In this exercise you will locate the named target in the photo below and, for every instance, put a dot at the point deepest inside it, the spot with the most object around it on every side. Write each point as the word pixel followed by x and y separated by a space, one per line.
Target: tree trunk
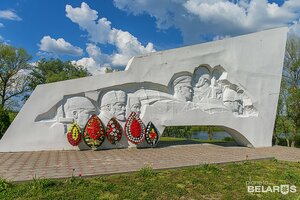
pixel 293 143
pixel 210 133
pixel 287 142
pixel 3 94
pixel 293 138
pixel 277 141
pixel 2 102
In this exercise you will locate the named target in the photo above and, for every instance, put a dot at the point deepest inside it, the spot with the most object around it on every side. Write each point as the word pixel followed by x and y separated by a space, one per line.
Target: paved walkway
pixel 61 164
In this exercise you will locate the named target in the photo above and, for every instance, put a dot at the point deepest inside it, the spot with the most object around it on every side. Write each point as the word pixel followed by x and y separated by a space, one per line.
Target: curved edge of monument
pixel 233 83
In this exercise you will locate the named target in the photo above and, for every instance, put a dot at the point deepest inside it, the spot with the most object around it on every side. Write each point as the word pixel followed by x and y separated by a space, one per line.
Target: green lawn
pixel 227 181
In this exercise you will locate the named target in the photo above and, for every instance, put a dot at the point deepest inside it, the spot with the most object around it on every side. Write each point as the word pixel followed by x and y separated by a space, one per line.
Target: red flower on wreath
pixel 93 130
pixel 135 128
pixel 94 133
pixel 152 134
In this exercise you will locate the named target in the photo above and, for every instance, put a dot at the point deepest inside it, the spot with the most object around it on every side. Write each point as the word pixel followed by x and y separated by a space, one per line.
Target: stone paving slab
pixel 24 166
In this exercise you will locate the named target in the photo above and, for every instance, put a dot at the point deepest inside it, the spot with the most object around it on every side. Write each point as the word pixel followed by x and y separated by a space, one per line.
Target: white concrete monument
pixel 232 83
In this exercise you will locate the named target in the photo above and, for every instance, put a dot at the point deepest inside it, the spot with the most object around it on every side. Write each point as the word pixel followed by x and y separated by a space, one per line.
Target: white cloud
pixel 100 31
pixel 85 17
pixel 1 25
pixel 95 53
pixel 89 64
pixel 59 47
pixel 4 41
pixel 197 19
pixel 97 62
pixel 127 46
pixel 9 14
pixel 48 55
pixel 33 64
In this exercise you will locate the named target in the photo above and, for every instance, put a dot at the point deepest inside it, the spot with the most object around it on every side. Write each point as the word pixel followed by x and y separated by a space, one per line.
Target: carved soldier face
pixel 136 108
pixel 82 116
pixel 80 109
pixel 185 90
pixel 118 110
pixel 113 103
pixel 204 81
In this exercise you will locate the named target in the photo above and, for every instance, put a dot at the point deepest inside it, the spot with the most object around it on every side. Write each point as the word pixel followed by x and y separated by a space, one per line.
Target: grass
pixel 227 181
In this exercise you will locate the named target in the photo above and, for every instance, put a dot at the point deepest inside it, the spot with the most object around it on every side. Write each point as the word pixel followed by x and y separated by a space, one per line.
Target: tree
pixel 55 70
pixel 13 79
pixel 291 70
pixel 293 112
pixel 283 130
pixel 4 121
pixel 288 111
pixel 281 127
pixel 291 75
pixel 108 70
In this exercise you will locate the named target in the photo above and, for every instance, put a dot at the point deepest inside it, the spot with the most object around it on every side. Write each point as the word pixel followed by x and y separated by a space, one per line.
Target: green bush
pixel 147 171
pixel 4 185
pixel 178 131
pixel 297 140
pixel 12 115
pixel 210 167
pixel 283 142
pixel 228 139
pixel 4 121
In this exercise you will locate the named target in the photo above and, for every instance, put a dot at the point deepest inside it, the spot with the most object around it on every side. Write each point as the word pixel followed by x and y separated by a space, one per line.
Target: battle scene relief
pixel 118 113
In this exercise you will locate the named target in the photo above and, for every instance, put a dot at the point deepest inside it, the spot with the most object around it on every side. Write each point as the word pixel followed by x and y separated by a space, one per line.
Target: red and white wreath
pixel 113 131
pixel 134 129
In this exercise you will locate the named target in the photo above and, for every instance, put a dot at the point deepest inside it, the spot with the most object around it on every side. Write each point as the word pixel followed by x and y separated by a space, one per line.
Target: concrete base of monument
pixel 233 83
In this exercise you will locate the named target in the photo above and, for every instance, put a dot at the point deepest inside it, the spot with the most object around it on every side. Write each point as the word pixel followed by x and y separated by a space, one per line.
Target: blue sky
pixel 100 34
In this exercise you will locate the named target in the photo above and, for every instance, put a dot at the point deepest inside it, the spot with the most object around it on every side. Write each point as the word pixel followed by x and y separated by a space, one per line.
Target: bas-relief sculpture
pixel 206 84
pixel 213 93
pixel 113 104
